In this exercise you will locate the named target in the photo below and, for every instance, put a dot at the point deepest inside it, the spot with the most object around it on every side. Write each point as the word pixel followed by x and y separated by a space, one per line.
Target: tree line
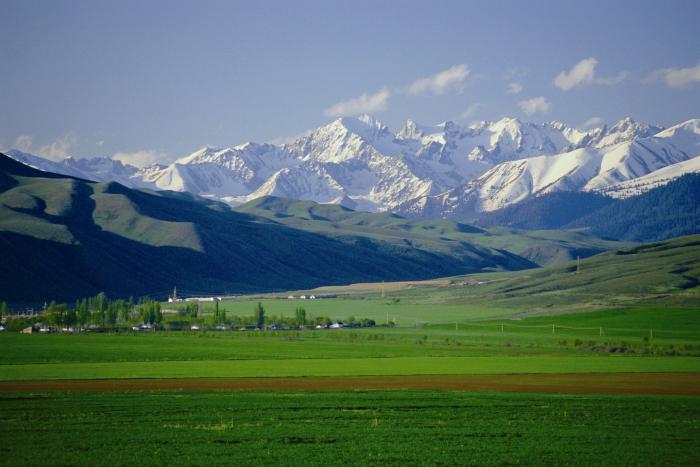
pixel 100 311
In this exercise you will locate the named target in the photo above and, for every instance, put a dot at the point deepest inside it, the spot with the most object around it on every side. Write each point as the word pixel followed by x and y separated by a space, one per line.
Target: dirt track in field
pixel 686 384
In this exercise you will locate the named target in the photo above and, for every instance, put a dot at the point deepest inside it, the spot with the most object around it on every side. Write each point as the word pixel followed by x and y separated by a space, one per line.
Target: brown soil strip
pixel 686 384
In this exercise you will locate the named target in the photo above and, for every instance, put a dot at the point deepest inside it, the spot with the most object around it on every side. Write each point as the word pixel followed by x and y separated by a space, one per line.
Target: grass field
pixel 481 384
pixel 358 428
pixel 348 367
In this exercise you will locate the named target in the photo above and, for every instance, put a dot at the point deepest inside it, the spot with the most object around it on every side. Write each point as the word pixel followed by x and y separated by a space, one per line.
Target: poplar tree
pixel 259 315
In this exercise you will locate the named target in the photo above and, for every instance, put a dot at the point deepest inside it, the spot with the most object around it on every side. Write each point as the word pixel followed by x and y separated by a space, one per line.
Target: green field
pixel 348 367
pixel 358 428
pixel 523 368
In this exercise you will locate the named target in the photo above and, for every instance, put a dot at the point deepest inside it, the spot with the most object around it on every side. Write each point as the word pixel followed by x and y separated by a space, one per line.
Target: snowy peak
pixel 685 136
pixel 445 169
pixel 625 130
pixel 98 169
pixel 410 130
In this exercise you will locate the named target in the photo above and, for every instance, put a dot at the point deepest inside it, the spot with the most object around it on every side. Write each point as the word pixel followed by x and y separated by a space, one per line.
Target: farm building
pixel 29 330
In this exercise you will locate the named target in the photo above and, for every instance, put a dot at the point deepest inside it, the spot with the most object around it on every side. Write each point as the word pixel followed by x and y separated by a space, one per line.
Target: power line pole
pixel 578 264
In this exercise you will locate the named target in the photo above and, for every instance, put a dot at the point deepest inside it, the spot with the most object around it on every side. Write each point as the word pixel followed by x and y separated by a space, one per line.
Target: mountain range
pixel 445 171
pixel 63 237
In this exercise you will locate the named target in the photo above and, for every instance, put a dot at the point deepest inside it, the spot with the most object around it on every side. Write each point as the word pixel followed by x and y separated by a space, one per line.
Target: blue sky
pixel 152 80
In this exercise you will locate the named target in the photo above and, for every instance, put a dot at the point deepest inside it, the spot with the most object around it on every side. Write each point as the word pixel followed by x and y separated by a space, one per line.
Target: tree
pixel 100 307
pixel 70 318
pixel 57 313
pixel 111 314
pixel 192 309
pixel 259 315
pixel 83 312
pixel 3 310
pixel 300 316
pixel 123 313
pixel 157 313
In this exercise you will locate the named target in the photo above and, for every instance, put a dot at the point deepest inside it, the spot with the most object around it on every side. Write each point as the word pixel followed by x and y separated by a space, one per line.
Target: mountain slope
pixel 661 213
pixel 668 211
pixel 655 179
pixel 549 211
pixel 658 274
pixel 540 247
pixel 63 237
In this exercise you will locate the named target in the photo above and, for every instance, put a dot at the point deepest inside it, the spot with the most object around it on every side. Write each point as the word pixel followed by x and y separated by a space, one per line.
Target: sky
pixel 146 81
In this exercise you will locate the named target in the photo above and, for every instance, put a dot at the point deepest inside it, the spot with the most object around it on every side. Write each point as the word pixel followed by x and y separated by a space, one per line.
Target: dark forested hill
pixel 665 212
pixel 550 211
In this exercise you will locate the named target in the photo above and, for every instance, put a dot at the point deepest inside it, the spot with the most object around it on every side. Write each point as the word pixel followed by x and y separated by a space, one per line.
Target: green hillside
pixel 661 275
pixel 542 247
pixel 62 237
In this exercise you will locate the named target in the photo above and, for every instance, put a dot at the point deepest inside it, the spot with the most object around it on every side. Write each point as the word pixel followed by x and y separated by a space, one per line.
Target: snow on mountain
pixel 421 170
pixel 99 169
pixel 583 169
pixel 624 130
pixel 661 177
pixel 300 182
pixel 223 172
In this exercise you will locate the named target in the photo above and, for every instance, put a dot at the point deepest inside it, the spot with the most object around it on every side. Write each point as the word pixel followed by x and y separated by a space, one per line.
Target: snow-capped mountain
pixel 445 170
pixel 661 177
pixel 99 168
pixel 592 168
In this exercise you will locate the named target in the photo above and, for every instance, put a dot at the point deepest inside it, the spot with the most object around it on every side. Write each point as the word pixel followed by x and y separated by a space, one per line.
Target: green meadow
pixel 348 367
pixel 625 319
pixel 350 428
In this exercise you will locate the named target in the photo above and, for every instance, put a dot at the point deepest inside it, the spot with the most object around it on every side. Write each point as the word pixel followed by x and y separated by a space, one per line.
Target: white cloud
pixel 57 150
pixel 514 88
pixel 677 78
pixel 471 110
pixel 24 143
pixel 534 105
pixel 289 139
pixel 141 158
pixel 593 122
pixel 583 73
pixel 515 73
pixel 451 79
pixel 438 84
pixel 366 103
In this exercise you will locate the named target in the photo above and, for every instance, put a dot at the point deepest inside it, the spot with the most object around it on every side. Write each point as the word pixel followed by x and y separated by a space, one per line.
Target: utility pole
pixel 382 289
pixel 578 264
